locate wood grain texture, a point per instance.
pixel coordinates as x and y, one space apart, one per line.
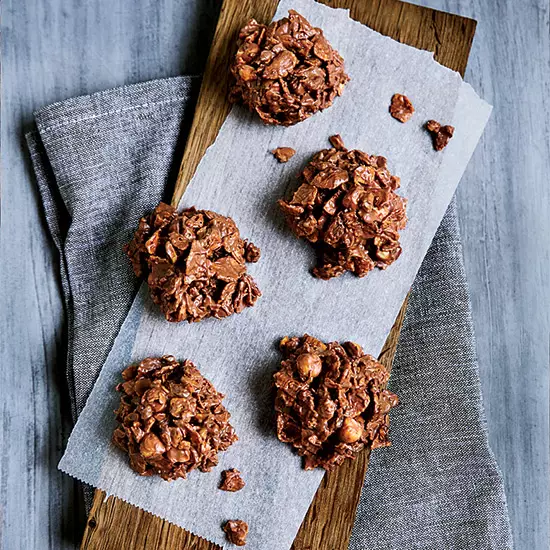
330 518
503 199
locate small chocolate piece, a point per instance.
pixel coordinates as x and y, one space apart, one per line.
401 107
171 419
346 206
332 413
286 71
236 531
251 253
337 142
441 134
232 481
283 154
194 263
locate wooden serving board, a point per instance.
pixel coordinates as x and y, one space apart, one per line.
116 525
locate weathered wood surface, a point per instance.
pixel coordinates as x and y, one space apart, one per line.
329 521
62 48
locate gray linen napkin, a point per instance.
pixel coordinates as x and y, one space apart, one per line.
103 160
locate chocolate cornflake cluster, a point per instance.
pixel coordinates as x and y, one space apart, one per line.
232 480
171 419
194 262
236 531
441 134
331 401
401 107
286 71
347 207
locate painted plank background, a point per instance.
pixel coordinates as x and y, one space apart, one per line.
61 48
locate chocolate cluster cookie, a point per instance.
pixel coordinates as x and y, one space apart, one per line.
171 419
347 207
286 71
194 263
331 400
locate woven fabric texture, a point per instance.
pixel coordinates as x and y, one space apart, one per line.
101 161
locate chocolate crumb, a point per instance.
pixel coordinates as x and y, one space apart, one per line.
283 154
441 135
401 107
331 401
251 252
286 71
232 480
347 207
171 419
236 531
337 142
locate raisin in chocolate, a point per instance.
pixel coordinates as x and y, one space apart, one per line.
286 71
331 401
347 207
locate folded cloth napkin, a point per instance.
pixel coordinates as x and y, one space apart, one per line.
102 161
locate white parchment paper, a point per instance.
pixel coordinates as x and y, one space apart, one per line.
240 178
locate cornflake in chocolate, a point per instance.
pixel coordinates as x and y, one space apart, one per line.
441 135
232 481
283 154
331 401
401 107
286 71
171 419
346 205
194 263
236 531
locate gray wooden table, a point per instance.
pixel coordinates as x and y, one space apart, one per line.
60 48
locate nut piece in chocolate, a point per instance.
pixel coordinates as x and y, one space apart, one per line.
194 263
401 107
171 419
232 480
286 71
236 531
441 135
331 401
283 154
347 207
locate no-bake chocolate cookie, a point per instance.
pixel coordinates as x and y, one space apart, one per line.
346 205
286 71
171 419
194 263
331 400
